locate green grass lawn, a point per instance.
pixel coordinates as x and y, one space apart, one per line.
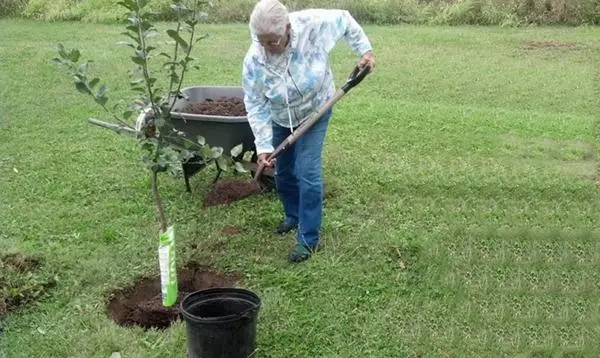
462 217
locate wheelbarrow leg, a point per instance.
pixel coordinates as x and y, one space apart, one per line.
186 178
219 171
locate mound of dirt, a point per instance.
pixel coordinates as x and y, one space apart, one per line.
141 305
224 106
228 191
549 44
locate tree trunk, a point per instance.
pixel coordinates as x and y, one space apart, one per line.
159 206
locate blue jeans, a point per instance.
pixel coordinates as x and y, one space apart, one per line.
299 179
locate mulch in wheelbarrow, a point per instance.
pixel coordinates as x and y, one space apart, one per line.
223 106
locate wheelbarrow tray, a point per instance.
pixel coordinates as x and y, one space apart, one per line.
218 131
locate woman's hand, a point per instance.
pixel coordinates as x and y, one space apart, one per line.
262 160
368 59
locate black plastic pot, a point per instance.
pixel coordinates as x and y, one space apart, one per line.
221 323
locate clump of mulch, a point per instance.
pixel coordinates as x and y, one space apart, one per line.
223 106
141 305
229 191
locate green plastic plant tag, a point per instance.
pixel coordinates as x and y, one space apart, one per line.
168 273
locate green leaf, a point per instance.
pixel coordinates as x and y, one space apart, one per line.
128 4
237 150
216 152
174 77
240 168
201 140
222 164
138 60
74 55
142 4
61 51
145 26
127 44
201 38
102 91
133 28
175 36
127 114
165 54
148 147
248 155
94 82
81 87
101 100
131 36
59 61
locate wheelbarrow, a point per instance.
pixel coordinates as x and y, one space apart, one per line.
219 131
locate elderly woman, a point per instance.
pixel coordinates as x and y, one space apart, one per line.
286 78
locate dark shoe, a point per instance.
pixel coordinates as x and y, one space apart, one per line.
299 253
284 228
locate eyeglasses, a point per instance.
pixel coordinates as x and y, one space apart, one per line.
272 43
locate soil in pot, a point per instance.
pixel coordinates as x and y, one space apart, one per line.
141 305
223 106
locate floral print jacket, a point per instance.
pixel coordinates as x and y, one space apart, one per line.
285 89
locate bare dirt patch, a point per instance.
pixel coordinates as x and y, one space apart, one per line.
22 283
141 305
550 44
230 230
229 191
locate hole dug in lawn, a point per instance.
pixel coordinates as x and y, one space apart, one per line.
141 305
22 283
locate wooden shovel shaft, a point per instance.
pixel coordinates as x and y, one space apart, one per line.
305 126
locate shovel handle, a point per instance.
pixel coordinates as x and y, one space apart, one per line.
355 77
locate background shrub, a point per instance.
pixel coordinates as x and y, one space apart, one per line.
442 12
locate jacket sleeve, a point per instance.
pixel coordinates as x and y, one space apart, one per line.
257 106
335 25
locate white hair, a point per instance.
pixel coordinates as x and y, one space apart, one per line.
269 17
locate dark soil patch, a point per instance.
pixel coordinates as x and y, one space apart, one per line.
141 305
20 262
549 44
228 191
224 106
22 282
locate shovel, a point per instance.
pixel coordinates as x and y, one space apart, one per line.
354 79
229 191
